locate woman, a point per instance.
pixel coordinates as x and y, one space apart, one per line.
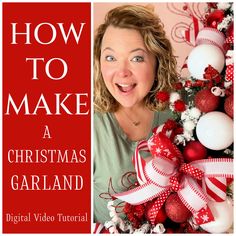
133 61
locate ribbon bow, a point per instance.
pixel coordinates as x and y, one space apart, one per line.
195 183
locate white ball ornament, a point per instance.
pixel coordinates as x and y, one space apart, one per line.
215 130
202 56
223 215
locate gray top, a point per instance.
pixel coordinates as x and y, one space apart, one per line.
113 152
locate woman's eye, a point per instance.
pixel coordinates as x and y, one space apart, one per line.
110 58
138 59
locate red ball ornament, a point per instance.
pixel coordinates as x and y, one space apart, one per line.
170 231
161 215
176 210
229 106
193 151
230 30
206 101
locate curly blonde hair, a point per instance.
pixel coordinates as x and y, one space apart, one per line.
150 27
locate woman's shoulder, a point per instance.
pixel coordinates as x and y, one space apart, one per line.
101 117
103 121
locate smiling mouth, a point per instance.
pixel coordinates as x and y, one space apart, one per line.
125 88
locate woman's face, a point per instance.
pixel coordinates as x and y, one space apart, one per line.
128 69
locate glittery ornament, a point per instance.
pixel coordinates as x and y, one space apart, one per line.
176 210
206 101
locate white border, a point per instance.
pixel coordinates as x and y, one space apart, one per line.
1 150
154 1
92 111
92 85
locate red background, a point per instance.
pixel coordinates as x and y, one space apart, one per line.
26 131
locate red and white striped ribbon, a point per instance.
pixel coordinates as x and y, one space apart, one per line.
217 171
216 185
191 33
97 228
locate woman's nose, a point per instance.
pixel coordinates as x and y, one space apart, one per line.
123 70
